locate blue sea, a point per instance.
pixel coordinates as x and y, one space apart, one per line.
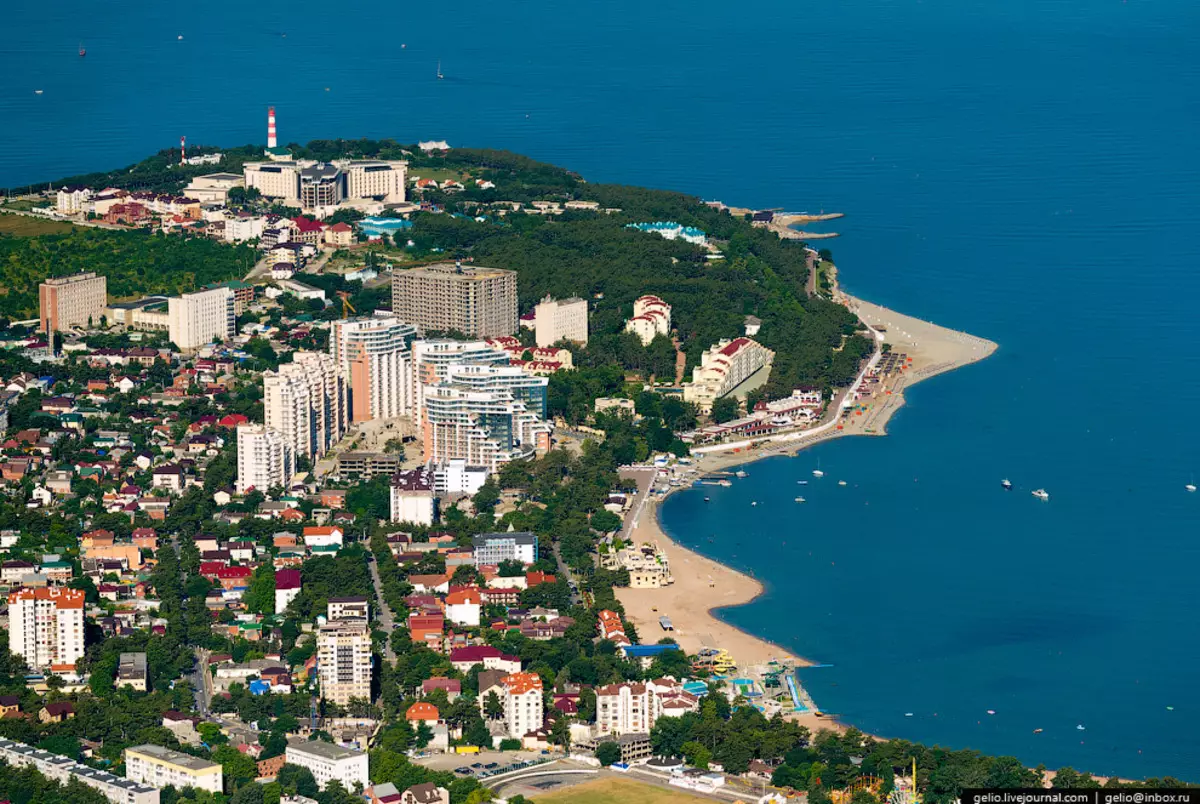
1025 170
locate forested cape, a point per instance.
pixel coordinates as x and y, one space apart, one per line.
579 253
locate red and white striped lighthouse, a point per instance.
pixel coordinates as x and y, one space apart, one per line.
271 141
182 150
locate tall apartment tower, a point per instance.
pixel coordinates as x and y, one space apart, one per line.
433 358
71 301
557 320
373 354
478 302
196 319
344 660
264 460
45 626
306 402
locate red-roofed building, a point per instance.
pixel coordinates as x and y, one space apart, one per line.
426 629
422 712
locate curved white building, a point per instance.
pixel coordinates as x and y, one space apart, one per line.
725 366
372 353
651 317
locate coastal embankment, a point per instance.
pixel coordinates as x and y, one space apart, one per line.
702 586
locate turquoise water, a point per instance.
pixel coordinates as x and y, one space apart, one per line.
1022 170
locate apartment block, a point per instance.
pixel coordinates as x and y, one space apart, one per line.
117 789
161 767
528 389
344 660
72 301
45 627
557 320
132 672
264 460
197 319
475 301
373 352
723 367
433 358
412 497
521 696
492 548
651 317
328 762
482 428
306 401
631 708
377 179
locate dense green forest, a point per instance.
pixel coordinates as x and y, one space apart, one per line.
135 263
580 253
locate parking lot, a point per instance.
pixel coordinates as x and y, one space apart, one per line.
485 764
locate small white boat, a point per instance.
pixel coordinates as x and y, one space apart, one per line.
1190 487
1006 484
908 714
1041 494
37 92
755 502
818 473
841 482
799 499
741 473
179 38
1081 727
991 711
801 482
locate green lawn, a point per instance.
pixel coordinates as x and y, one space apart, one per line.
618 791
23 226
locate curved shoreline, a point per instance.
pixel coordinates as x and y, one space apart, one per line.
934 350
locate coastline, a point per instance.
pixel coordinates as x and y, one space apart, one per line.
933 350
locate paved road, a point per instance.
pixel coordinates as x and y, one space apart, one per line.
644 477
201 682
386 619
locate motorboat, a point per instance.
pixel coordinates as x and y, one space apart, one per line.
1041 494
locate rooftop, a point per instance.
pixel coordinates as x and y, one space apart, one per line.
161 754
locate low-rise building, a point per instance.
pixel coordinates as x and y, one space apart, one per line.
328 762
132 671
161 767
493 548
117 789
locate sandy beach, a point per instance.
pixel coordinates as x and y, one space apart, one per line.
702 585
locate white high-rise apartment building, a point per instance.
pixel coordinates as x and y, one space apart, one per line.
723 367
276 179
264 459
306 402
45 627
631 708
196 319
483 428
433 359
374 178
372 352
557 320
344 661
522 700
